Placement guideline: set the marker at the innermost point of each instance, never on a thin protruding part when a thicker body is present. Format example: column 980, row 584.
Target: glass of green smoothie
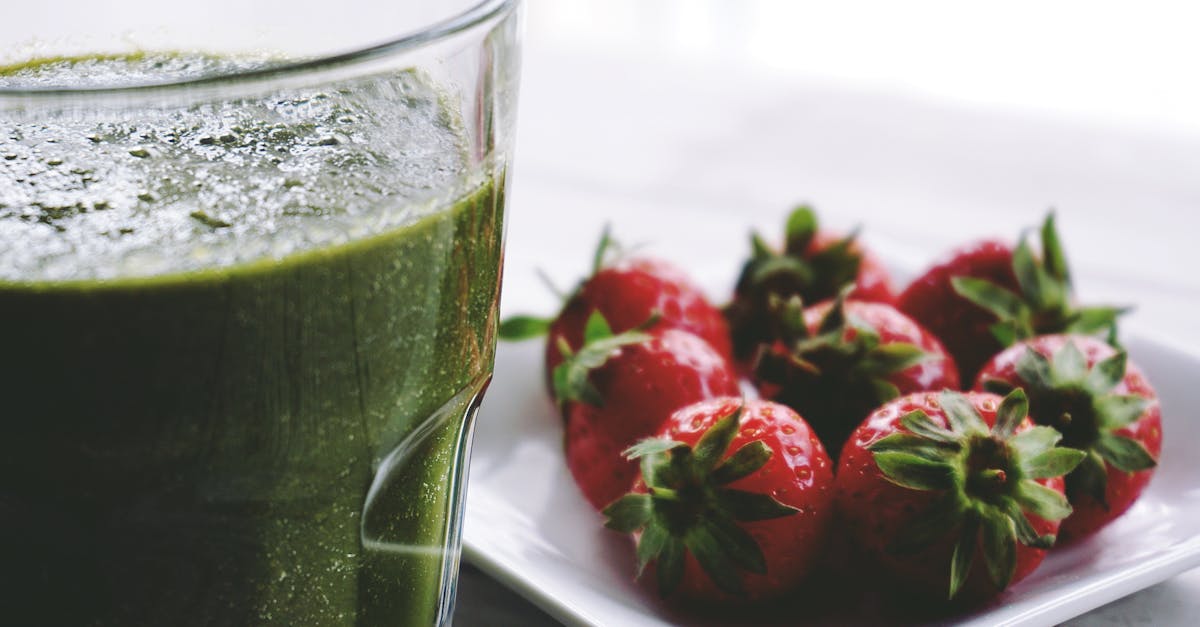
column 250, row 260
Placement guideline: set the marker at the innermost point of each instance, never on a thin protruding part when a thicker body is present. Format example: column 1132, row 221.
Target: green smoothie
column 241, row 345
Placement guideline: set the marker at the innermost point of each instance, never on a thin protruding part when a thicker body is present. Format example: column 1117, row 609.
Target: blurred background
column 1116, row 62
column 684, row 123
column 928, row 123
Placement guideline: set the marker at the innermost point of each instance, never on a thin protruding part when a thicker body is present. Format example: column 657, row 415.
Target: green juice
column 241, row 346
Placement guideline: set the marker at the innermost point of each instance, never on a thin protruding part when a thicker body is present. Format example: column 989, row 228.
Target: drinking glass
column 250, row 258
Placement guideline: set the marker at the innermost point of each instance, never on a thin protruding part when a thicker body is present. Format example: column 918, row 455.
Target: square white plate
column 528, row 526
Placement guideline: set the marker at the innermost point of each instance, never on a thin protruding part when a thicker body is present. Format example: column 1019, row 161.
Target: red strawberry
column 734, row 501
column 814, row 265
column 985, row 296
column 961, row 325
column 951, row 495
column 1102, row 404
column 627, row 291
column 619, row 389
column 843, row 359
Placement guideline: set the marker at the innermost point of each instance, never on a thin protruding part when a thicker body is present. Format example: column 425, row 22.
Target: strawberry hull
column 873, row 283
column 1122, row 488
column 793, row 475
column 627, row 293
column 874, row 510
column 841, row 389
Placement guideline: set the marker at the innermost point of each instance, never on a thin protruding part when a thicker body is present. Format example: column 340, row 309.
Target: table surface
column 687, row 135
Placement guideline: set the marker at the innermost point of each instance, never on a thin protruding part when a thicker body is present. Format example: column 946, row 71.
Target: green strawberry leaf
column 596, row 328
column 715, row 441
column 964, row 553
column 800, row 229
column 571, row 377
column 921, row 424
column 750, row 506
column 1006, row 333
column 744, row 461
column 919, row 445
column 985, row 478
column 672, row 469
column 603, row 248
column 774, row 266
column 1124, row 453
column 1013, row 409
column 1096, row 320
column 1032, row 442
column 791, row 318
column 687, row 511
column 759, row 248
column 834, row 320
column 998, row 387
column 709, row 552
column 837, row 265
column 1033, row 367
column 628, row 513
column 1107, row 373
column 650, row 446
column 571, row 384
column 1052, row 252
column 517, row 328
column 1055, row 462
column 884, row 390
column 1026, row 534
column 1068, row 364
column 1000, row 548
column 1043, row 304
column 1031, row 281
column 1118, row 410
column 866, row 338
column 740, row 546
column 669, row 566
column 1041, row 501
column 893, row 357
column 1001, row 302
column 1090, row 478
column 651, row 545
column 962, row 416
column 914, row 471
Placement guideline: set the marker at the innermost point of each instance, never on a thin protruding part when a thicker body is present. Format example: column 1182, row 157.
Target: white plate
column 528, row 526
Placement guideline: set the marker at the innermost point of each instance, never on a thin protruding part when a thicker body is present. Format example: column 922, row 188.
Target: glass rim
column 476, row 14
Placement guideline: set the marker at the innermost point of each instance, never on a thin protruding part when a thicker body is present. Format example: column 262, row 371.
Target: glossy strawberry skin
column 962, row 326
column 1123, row 488
column 799, row 474
column 836, row 417
column 872, row 509
column 627, row 293
column 641, row 384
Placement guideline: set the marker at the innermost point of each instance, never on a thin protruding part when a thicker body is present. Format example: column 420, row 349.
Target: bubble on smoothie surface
column 144, row 189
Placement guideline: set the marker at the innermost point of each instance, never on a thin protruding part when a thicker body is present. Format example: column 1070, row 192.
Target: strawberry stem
column 689, row 509
column 995, row 476
column 665, row 494
column 987, row 477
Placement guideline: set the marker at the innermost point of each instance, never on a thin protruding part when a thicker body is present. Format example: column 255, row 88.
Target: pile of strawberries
column 942, row 439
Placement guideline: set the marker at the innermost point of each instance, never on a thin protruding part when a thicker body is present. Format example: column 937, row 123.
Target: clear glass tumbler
column 250, row 259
